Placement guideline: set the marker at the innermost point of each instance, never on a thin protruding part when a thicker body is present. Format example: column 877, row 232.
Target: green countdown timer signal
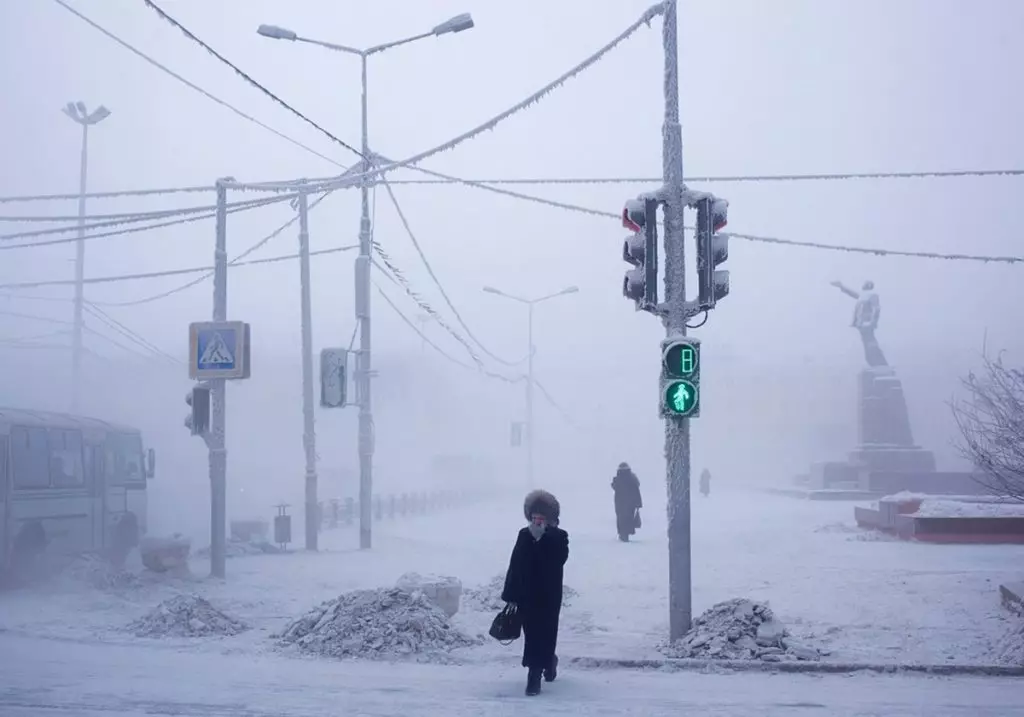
column 681, row 398
column 681, row 360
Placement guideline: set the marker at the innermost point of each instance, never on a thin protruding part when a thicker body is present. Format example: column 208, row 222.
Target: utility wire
column 117, row 326
column 128, row 216
column 105, row 195
column 234, row 262
column 114, row 342
column 939, row 174
column 191, row 36
column 149, row 216
column 36, row 317
column 168, row 272
column 437, row 281
column 195, row 87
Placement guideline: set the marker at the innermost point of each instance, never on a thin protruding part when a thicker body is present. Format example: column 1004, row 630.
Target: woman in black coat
column 533, row 584
column 628, row 501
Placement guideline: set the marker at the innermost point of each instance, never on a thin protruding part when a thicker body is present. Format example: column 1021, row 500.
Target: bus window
column 66, row 469
column 123, row 460
column 30, row 457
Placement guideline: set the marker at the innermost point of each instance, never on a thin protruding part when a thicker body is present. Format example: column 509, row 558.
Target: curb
column 681, row 665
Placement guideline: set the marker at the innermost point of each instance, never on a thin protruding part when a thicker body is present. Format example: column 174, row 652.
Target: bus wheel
column 125, row 538
column 26, row 551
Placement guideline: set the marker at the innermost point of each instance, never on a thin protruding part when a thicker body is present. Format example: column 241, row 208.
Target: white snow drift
column 100, row 574
column 186, row 616
column 740, row 629
column 487, row 597
column 386, row 623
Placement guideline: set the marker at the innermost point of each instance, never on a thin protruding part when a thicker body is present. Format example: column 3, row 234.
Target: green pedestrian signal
column 680, row 378
column 681, row 398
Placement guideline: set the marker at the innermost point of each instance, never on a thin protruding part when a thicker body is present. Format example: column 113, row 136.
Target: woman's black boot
column 533, row 682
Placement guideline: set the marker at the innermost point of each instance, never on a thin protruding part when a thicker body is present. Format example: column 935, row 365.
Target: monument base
column 910, row 459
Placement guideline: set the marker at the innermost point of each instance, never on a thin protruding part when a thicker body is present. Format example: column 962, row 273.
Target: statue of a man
column 866, row 313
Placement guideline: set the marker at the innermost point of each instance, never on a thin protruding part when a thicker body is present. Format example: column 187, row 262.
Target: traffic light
column 198, row 399
column 713, row 284
column 680, row 378
column 641, row 250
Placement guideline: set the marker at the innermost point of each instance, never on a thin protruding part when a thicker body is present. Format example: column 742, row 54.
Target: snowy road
column 46, row 678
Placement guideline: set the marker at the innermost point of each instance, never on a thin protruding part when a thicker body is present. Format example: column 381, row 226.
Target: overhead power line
column 128, row 216
column 238, row 71
column 132, row 336
column 167, row 272
column 713, row 178
column 193, row 86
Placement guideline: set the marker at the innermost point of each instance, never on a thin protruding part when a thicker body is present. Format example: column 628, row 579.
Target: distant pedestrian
column 533, row 584
column 705, row 482
column 628, row 501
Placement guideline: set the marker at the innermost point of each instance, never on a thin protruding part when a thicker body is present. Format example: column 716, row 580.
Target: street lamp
column 363, row 370
column 530, row 303
column 78, row 112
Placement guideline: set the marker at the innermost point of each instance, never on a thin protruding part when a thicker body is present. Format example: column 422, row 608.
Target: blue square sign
column 219, row 349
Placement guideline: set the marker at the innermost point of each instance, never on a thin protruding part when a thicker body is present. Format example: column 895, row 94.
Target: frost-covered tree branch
column 991, row 422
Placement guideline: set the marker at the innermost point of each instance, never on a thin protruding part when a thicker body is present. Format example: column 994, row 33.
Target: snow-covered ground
column 860, row 598
column 47, row 678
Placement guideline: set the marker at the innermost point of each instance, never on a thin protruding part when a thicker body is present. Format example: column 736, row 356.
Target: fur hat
column 540, row 501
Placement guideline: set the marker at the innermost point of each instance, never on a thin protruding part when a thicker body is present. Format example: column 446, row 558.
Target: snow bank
column 1010, row 650
column 386, row 623
column 240, row 548
column 487, row 597
column 98, row 573
column 932, row 508
column 186, row 616
column 739, row 629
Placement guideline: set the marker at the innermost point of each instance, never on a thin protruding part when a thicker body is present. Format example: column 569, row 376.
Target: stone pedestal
column 884, row 437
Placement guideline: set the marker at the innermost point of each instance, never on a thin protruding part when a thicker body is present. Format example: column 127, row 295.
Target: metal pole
column 529, row 399
column 79, row 319
column 308, row 432
column 363, row 363
column 677, row 430
column 218, row 430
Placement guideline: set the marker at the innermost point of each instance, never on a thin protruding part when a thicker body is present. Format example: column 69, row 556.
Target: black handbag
column 636, row 519
column 507, row 625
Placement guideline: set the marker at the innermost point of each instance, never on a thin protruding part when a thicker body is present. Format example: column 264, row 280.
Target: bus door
column 93, row 457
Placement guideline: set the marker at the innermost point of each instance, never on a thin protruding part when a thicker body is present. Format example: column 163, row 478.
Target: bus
column 69, row 485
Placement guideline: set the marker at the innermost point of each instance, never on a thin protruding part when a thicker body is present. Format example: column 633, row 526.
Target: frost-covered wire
column 166, row 272
column 105, row 195
column 25, row 341
column 198, row 280
column 375, row 171
column 829, row 176
column 35, row 317
column 437, row 281
column 133, row 216
column 194, row 86
column 132, row 336
column 238, row 71
column 149, row 216
column 387, row 267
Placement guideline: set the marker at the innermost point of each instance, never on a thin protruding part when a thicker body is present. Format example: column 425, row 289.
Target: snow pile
column 1010, row 650
column 443, row 590
column 487, row 597
column 739, row 629
column 241, row 548
column 186, row 616
column 100, row 574
column 385, row 623
column 955, row 509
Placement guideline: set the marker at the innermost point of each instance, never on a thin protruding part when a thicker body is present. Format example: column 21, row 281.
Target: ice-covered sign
column 333, row 378
column 219, row 349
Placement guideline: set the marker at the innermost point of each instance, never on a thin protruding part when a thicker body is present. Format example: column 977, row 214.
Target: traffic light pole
column 363, row 365
column 217, row 439
column 308, row 430
column 529, row 399
column 677, row 430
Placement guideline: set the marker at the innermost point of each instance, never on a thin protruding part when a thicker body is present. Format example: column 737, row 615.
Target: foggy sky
column 794, row 86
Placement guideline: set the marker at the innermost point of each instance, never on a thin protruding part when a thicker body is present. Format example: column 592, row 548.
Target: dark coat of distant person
column 627, row 500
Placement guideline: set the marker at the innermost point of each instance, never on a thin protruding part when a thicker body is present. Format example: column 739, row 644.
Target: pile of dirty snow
column 487, row 597
column 740, row 629
column 1010, row 650
column 186, row 616
column 241, row 548
column 385, row 623
column 100, row 574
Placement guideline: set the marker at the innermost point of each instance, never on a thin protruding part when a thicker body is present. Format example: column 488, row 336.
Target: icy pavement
column 874, row 601
column 47, row 678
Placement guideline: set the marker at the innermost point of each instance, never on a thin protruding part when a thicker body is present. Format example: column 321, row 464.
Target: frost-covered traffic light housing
column 680, row 378
column 198, row 399
column 641, row 250
column 712, row 250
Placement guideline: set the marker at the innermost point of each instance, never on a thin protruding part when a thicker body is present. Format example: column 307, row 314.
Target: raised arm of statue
column 845, row 289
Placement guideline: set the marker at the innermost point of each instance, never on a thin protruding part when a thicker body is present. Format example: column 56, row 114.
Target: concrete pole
column 308, row 431
column 363, row 357
column 218, row 430
column 79, row 318
column 677, row 430
column 529, row 399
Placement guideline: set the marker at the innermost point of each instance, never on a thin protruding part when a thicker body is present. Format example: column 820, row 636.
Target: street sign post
column 218, row 349
column 333, row 378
